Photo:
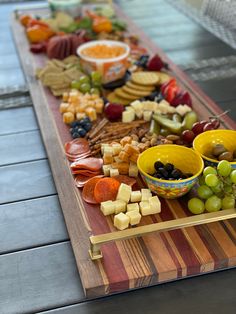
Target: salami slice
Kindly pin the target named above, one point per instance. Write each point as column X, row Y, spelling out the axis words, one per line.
column 80, row 180
column 88, row 190
column 86, row 173
column 125, row 179
column 77, row 147
column 91, row 163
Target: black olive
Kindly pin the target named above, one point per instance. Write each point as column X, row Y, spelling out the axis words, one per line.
column 158, row 164
column 169, row 167
column 164, row 173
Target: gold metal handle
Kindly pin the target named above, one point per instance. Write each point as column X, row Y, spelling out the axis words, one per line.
column 98, row 240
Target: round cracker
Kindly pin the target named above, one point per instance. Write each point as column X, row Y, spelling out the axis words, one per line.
column 136, row 92
column 164, row 77
column 123, row 94
column 113, row 98
column 140, row 87
column 145, row 78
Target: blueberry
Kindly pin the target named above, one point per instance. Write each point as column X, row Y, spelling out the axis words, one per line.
column 71, row 130
column 75, row 135
column 158, row 164
column 74, row 124
column 82, row 132
column 87, row 126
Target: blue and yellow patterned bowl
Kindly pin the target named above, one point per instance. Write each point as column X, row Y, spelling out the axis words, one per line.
column 203, row 144
column 186, row 159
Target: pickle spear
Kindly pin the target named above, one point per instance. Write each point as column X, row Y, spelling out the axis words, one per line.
column 174, row 126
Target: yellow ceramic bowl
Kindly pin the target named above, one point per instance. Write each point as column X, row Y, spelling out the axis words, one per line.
column 186, row 159
column 204, row 142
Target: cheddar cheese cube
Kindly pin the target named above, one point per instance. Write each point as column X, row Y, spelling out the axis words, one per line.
column 135, row 196
column 107, row 208
column 121, row 221
column 120, row 206
column 133, row 207
column 124, row 192
column 134, row 217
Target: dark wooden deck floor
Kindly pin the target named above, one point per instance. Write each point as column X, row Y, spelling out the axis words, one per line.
column 37, row 266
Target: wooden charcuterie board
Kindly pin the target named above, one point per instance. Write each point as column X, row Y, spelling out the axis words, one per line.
column 138, row 262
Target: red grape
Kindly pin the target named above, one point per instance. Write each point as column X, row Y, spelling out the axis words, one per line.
column 215, row 122
column 209, row 126
column 188, row 136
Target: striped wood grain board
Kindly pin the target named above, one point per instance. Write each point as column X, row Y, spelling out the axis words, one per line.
column 140, row 262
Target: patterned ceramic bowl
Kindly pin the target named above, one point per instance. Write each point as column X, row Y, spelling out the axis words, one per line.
column 204, row 142
column 186, row 159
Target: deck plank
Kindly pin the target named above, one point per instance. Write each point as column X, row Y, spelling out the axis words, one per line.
column 22, row 147
column 31, row 223
column 26, row 181
column 39, row 279
column 17, row 120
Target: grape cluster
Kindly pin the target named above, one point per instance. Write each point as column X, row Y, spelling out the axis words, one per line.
column 199, row 127
column 217, row 189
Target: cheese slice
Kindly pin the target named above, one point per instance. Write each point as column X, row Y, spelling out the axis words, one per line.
column 124, row 192
column 121, row 221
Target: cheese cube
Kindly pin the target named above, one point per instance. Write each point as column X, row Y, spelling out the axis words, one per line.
column 134, row 143
column 114, row 172
column 149, row 105
column 133, row 170
column 128, row 116
column 80, row 115
column 103, row 147
column 137, row 105
column 121, row 221
column 134, row 217
column 107, row 208
column 117, row 159
column 147, row 115
column 107, row 159
column 91, row 113
column 155, row 204
column 129, row 108
column 124, row 192
column 146, row 194
column 108, row 150
column 106, row 170
column 124, row 156
column 120, row 206
column 135, row 196
column 133, row 207
column 145, row 208
column 116, row 148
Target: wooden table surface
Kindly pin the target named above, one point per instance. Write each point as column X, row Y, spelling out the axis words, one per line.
column 37, row 266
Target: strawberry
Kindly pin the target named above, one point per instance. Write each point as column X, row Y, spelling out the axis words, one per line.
column 171, row 82
column 155, row 63
column 181, row 98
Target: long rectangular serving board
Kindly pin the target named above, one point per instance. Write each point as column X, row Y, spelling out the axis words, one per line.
column 137, row 262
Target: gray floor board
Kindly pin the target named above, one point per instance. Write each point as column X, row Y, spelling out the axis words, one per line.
column 22, row 147
column 17, row 120
column 208, row 294
column 31, row 223
column 25, row 181
column 39, row 279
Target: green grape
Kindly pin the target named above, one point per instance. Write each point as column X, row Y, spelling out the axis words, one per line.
column 85, row 88
column 196, row 206
column 209, row 170
column 75, row 84
column 224, row 168
column 201, row 180
column 213, row 204
column 96, row 78
column 84, row 79
column 204, row 191
column 211, row 180
column 233, row 176
column 228, row 189
column 228, row 202
column 218, row 188
column 95, row 91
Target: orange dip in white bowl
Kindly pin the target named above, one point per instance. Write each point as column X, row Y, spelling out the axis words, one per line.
column 108, row 57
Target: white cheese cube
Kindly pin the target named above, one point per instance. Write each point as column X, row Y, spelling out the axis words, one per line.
column 146, row 194
column 145, row 208
column 120, row 206
column 137, row 105
column 116, row 148
column 114, row 172
column 155, row 204
column 124, row 192
column 133, row 207
column 121, row 221
column 133, row 170
column 149, row 105
column 147, row 115
column 129, row 108
column 139, row 113
column 103, row 147
column 135, row 196
column 108, row 150
column 128, row 116
column 134, row 217
column 107, row 208
column 106, row 170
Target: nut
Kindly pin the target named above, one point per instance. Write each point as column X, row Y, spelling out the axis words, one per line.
column 148, row 144
column 165, row 141
column 153, row 141
column 144, row 140
column 135, row 137
column 172, row 137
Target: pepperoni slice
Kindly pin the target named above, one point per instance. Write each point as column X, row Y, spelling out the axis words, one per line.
column 91, row 163
column 77, row 146
column 88, row 190
column 106, row 189
column 125, row 179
